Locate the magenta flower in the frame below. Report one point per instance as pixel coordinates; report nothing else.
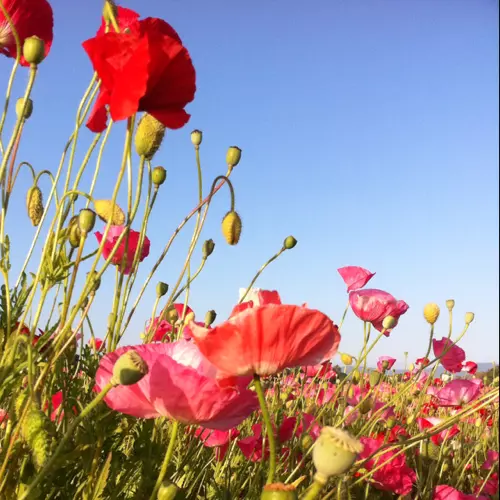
(355, 277)
(491, 460)
(470, 367)
(459, 392)
(454, 358)
(437, 439)
(444, 492)
(385, 363)
(219, 440)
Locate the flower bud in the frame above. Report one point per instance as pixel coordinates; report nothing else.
(410, 419)
(431, 313)
(95, 282)
(356, 377)
(390, 423)
(279, 491)
(208, 248)
(411, 367)
(34, 204)
(149, 136)
(306, 442)
(233, 156)
(375, 378)
(161, 289)
(385, 365)
(334, 453)
(389, 322)
(21, 110)
(86, 220)
(74, 233)
(450, 304)
(210, 317)
(107, 212)
(346, 359)
(189, 317)
(196, 138)
(34, 50)
(170, 491)
(158, 176)
(231, 227)
(469, 318)
(172, 316)
(365, 406)
(129, 369)
(289, 242)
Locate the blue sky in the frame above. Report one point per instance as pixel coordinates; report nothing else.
(369, 131)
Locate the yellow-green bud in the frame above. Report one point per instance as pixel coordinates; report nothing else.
(86, 221)
(21, 110)
(411, 367)
(107, 212)
(365, 406)
(334, 453)
(289, 242)
(346, 359)
(231, 227)
(431, 313)
(450, 304)
(149, 136)
(375, 378)
(196, 138)
(74, 233)
(34, 204)
(94, 281)
(34, 50)
(391, 423)
(233, 156)
(172, 315)
(385, 365)
(161, 289)
(129, 369)
(306, 442)
(279, 491)
(356, 377)
(389, 322)
(170, 491)
(158, 176)
(410, 419)
(469, 318)
(210, 317)
(208, 248)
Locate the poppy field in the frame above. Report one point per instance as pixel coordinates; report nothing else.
(263, 404)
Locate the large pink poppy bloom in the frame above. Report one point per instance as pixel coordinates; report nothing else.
(373, 306)
(459, 392)
(266, 337)
(120, 258)
(181, 384)
(355, 277)
(445, 492)
(454, 358)
(30, 18)
(437, 439)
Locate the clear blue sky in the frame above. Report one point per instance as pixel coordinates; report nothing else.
(369, 131)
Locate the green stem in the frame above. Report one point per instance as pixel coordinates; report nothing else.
(314, 491)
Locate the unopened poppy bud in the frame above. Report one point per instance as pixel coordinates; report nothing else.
(411, 367)
(129, 369)
(233, 156)
(375, 378)
(356, 377)
(170, 491)
(189, 317)
(450, 304)
(161, 289)
(196, 138)
(172, 315)
(279, 491)
(469, 318)
(365, 406)
(334, 453)
(289, 243)
(390, 423)
(149, 136)
(86, 220)
(74, 233)
(231, 227)
(385, 365)
(431, 313)
(208, 248)
(410, 419)
(34, 50)
(389, 322)
(107, 212)
(306, 442)
(158, 176)
(23, 111)
(210, 317)
(95, 282)
(34, 204)
(346, 359)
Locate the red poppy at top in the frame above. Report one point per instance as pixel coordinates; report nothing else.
(264, 336)
(30, 18)
(144, 68)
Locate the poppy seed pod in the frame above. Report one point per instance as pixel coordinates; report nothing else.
(86, 220)
(469, 318)
(431, 313)
(389, 322)
(172, 315)
(208, 248)
(129, 369)
(289, 243)
(34, 204)
(210, 317)
(279, 491)
(233, 156)
(107, 212)
(34, 50)
(196, 138)
(159, 176)
(149, 136)
(23, 111)
(161, 289)
(450, 304)
(231, 227)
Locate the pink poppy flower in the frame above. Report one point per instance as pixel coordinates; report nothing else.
(163, 327)
(219, 440)
(120, 258)
(385, 363)
(57, 411)
(295, 427)
(96, 343)
(422, 362)
(264, 339)
(251, 446)
(373, 306)
(470, 367)
(490, 487)
(181, 384)
(437, 439)
(453, 360)
(459, 392)
(491, 460)
(355, 277)
(444, 492)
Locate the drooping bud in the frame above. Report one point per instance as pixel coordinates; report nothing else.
(158, 176)
(450, 304)
(149, 136)
(86, 221)
(375, 378)
(74, 234)
(34, 204)
(129, 369)
(279, 491)
(289, 242)
(469, 318)
(196, 138)
(161, 289)
(431, 313)
(210, 318)
(334, 453)
(346, 359)
(170, 491)
(24, 111)
(233, 156)
(231, 227)
(34, 50)
(107, 212)
(208, 248)
(389, 322)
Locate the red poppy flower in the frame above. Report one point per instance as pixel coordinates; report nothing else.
(30, 18)
(146, 69)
